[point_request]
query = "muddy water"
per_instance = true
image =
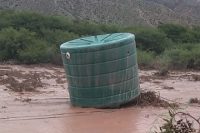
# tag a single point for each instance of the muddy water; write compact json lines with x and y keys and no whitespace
{"x":48,"y":109}
{"x":81,"y":121}
{"x":178,"y":86}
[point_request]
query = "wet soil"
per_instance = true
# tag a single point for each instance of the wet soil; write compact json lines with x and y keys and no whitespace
{"x":45,"y":106}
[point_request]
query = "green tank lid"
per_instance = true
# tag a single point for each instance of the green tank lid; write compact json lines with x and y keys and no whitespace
{"x":99,"y":42}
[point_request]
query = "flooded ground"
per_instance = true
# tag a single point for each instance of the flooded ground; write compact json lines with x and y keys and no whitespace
{"x":46,"y":107}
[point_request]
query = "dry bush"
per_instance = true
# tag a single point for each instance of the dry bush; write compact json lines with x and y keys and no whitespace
{"x":179,"y":122}
{"x":150,"y":98}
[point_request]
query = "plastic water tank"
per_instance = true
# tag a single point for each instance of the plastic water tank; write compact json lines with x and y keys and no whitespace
{"x":101,"y":70}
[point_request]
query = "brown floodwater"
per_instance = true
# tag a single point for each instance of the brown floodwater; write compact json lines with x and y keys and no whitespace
{"x":48,"y":109}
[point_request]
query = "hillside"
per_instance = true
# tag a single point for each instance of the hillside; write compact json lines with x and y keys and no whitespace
{"x":129,"y":12}
{"x":189,"y":8}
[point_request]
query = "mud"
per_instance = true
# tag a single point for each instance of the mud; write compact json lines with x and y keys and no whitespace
{"x":48,"y":109}
{"x":19,"y":82}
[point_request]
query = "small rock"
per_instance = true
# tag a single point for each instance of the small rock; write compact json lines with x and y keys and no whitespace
{"x":168,"y":88}
{"x":195,"y":100}
{"x":5,"y":89}
{"x":26,"y":100}
{"x":146,"y":116}
{"x":3,"y":107}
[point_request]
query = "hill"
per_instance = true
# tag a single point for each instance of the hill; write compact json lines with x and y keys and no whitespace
{"x":126,"y":12}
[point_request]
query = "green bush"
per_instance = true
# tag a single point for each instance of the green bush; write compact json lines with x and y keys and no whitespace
{"x":182,"y":58}
{"x":22,"y":45}
{"x":150,"y":39}
{"x":56,"y":36}
{"x":55,"y":39}
{"x":145,"y":59}
{"x":12,"y":40}
{"x":195,"y":57}
{"x":55,"y":56}
{"x":179,"y":58}
{"x":181,"y":34}
{"x":35,"y":53}
{"x":173,"y":31}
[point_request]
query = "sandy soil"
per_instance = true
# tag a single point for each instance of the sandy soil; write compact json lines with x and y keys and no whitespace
{"x":46,"y":108}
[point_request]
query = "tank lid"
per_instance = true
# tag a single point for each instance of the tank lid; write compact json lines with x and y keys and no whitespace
{"x":96,"y":41}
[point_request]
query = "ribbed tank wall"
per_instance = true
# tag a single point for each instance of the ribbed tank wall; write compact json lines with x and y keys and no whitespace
{"x":102,"y":70}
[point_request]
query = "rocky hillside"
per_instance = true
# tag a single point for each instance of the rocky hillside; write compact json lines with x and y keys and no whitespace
{"x":188,"y":8}
{"x":126,"y":12}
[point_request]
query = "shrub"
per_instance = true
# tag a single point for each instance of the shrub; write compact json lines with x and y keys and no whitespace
{"x":109,"y":28}
{"x":152,"y":40}
{"x":145,"y":59}
{"x":178,"y":58}
{"x":181,"y":34}
{"x":195,"y":58}
{"x":185,"y":56}
{"x":12,"y":40}
{"x":173,"y":31}
{"x":54,"y":37}
{"x":179,"y":122}
{"x":55,"y":55}
{"x":34,"y":53}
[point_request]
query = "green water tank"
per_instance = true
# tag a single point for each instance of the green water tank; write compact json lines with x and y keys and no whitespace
{"x":101,"y":70}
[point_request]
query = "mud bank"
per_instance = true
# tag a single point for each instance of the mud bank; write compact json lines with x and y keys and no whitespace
{"x":46,"y":108}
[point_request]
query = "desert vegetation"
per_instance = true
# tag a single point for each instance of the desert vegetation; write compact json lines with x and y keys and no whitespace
{"x":179,"y":122}
{"x":31,"y":38}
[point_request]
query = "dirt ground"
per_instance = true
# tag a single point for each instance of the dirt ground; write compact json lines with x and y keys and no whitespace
{"x":34,"y":99}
